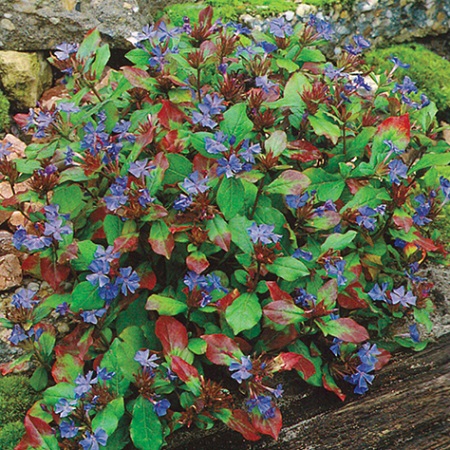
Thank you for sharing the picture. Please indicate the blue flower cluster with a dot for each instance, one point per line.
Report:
(55, 227)
(263, 233)
(108, 289)
(397, 296)
(211, 106)
(241, 370)
(206, 284)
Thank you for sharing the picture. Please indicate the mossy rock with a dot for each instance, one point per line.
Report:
(428, 70)
(11, 434)
(4, 113)
(16, 397)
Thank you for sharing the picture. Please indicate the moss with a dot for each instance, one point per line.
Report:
(430, 71)
(4, 112)
(16, 397)
(11, 434)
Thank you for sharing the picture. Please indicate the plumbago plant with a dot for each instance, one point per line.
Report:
(229, 207)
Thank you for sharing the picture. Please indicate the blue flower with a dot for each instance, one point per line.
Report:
(365, 218)
(143, 358)
(107, 255)
(161, 407)
(91, 316)
(64, 407)
(4, 150)
(92, 441)
(361, 378)
(214, 283)
(265, 84)
(398, 63)
(108, 292)
(304, 299)
(182, 202)
(336, 346)
(206, 299)
(241, 370)
(18, 335)
(64, 50)
(379, 294)
(129, 280)
(248, 151)
(68, 156)
(332, 73)
(297, 201)
(68, 430)
(414, 333)
(264, 405)
(141, 168)
(100, 269)
(194, 184)
(229, 167)
(445, 188)
(398, 169)
(337, 270)
(280, 28)
(323, 28)
(404, 298)
(84, 384)
(215, 146)
(361, 44)
(104, 375)
(299, 253)
(24, 299)
(392, 147)
(407, 87)
(368, 354)
(62, 309)
(263, 233)
(192, 280)
(420, 217)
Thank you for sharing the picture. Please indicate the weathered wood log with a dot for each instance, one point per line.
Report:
(408, 408)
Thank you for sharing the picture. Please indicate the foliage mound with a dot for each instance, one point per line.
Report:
(228, 207)
(428, 69)
(10, 435)
(4, 112)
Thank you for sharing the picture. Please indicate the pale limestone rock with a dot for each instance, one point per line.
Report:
(10, 272)
(24, 77)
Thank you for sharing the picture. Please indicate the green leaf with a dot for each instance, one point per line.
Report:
(165, 306)
(236, 123)
(145, 429)
(430, 160)
(62, 390)
(197, 346)
(327, 186)
(230, 197)
(85, 297)
(244, 313)
(90, 43)
(324, 126)
(102, 56)
(86, 250)
(237, 226)
(39, 379)
(287, 64)
(69, 199)
(113, 228)
(288, 268)
(422, 316)
(337, 241)
(311, 55)
(345, 329)
(46, 344)
(108, 418)
(276, 143)
(138, 56)
(179, 168)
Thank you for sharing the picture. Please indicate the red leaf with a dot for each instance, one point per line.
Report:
(197, 262)
(63, 368)
(290, 360)
(355, 184)
(350, 299)
(170, 112)
(307, 151)
(240, 422)
(382, 359)
(161, 161)
(404, 223)
(77, 343)
(276, 293)
(126, 244)
(221, 349)
(70, 253)
(171, 333)
(184, 370)
(276, 340)
(53, 273)
(424, 243)
(31, 265)
(226, 301)
(35, 428)
(171, 143)
(330, 385)
(400, 124)
(283, 313)
(271, 426)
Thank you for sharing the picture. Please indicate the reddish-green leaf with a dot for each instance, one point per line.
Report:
(290, 182)
(221, 349)
(35, 431)
(284, 312)
(53, 273)
(240, 421)
(276, 293)
(161, 239)
(219, 232)
(170, 113)
(197, 262)
(330, 385)
(290, 360)
(171, 333)
(271, 427)
(345, 329)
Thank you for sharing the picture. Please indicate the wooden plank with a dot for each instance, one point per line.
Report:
(408, 408)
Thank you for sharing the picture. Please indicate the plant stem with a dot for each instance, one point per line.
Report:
(258, 195)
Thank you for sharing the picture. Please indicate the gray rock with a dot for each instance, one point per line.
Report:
(10, 272)
(31, 25)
